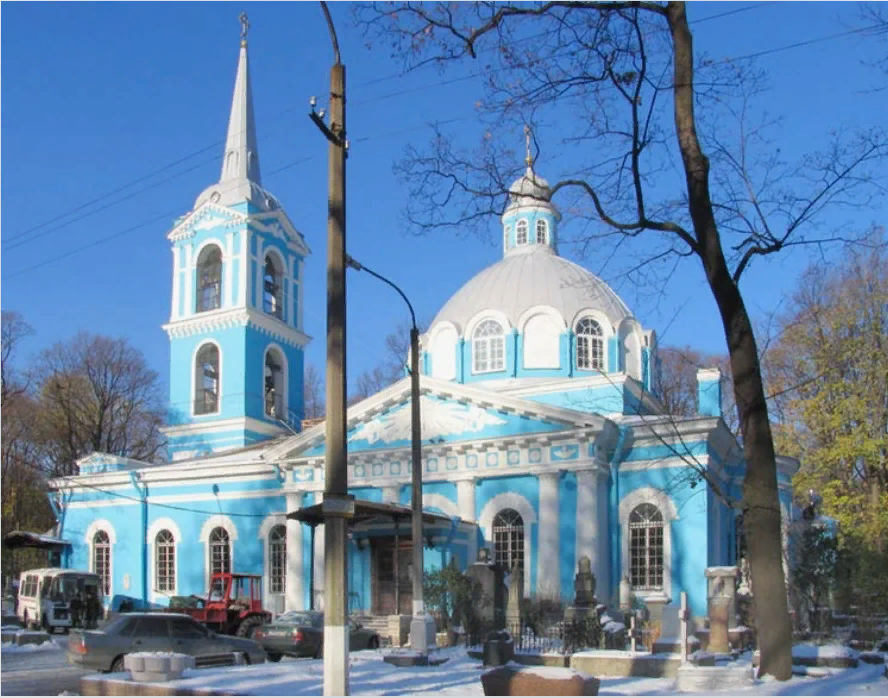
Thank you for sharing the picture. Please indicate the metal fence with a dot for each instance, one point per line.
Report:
(563, 637)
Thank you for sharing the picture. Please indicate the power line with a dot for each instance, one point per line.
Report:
(215, 144)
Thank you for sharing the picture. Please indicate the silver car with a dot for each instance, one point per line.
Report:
(156, 632)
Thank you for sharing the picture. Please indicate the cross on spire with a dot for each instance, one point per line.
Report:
(245, 27)
(528, 158)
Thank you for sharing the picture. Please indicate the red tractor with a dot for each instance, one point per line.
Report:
(233, 605)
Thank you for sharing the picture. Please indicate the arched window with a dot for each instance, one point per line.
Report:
(273, 288)
(507, 231)
(274, 385)
(277, 563)
(206, 379)
(646, 547)
(220, 551)
(488, 347)
(521, 232)
(165, 561)
(542, 227)
(508, 539)
(102, 559)
(590, 345)
(209, 279)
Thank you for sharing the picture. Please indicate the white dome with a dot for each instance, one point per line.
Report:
(537, 277)
(529, 190)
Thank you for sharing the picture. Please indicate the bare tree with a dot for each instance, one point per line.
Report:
(614, 67)
(313, 382)
(96, 393)
(14, 330)
(391, 368)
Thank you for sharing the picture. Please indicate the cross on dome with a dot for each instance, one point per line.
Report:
(245, 27)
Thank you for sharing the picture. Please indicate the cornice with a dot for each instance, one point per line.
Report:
(226, 318)
(184, 229)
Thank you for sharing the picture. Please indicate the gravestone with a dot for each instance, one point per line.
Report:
(584, 591)
(721, 605)
(490, 582)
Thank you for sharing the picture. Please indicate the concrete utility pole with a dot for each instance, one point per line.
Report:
(338, 506)
(422, 626)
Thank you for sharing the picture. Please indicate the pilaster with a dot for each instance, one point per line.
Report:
(465, 499)
(548, 558)
(295, 600)
(588, 536)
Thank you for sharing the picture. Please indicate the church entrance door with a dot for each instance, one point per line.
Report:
(394, 569)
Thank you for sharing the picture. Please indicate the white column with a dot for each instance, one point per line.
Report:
(605, 540)
(390, 494)
(588, 541)
(258, 282)
(177, 283)
(465, 498)
(244, 269)
(319, 568)
(229, 270)
(189, 280)
(548, 558)
(295, 600)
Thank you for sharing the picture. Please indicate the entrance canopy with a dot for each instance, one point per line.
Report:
(367, 513)
(26, 539)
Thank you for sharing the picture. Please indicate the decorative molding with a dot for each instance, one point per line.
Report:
(666, 506)
(439, 501)
(200, 220)
(438, 419)
(651, 495)
(156, 527)
(100, 525)
(226, 318)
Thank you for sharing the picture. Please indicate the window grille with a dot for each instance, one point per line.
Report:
(165, 561)
(209, 279)
(206, 397)
(646, 548)
(272, 295)
(521, 232)
(590, 345)
(489, 348)
(220, 551)
(102, 559)
(277, 563)
(542, 231)
(508, 539)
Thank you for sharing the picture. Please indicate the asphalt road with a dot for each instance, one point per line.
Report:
(43, 673)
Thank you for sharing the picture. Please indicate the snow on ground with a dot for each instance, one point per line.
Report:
(823, 651)
(12, 648)
(461, 675)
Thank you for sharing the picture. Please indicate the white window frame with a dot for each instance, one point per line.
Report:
(542, 230)
(663, 502)
(511, 500)
(281, 274)
(285, 378)
(522, 228)
(487, 341)
(215, 521)
(271, 522)
(197, 349)
(197, 264)
(591, 339)
(151, 540)
(89, 538)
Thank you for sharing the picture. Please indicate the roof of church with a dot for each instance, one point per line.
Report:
(240, 179)
(519, 282)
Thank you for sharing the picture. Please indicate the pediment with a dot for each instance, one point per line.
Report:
(450, 413)
(208, 216)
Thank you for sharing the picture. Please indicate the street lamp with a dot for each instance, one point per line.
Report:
(419, 624)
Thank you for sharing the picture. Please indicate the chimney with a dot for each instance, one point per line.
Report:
(709, 392)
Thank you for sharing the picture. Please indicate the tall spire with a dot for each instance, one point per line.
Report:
(241, 159)
(240, 180)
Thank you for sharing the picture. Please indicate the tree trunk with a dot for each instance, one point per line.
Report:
(761, 506)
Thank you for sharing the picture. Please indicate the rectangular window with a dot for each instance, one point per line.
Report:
(166, 567)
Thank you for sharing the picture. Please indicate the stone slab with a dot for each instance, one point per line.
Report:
(31, 637)
(691, 678)
(407, 659)
(115, 685)
(513, 680)
(615, 663)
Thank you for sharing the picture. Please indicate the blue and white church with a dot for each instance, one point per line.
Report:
(543, 437)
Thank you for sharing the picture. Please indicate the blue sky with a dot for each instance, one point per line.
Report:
(97, 95)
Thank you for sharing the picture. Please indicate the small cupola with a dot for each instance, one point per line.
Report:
(530, 219)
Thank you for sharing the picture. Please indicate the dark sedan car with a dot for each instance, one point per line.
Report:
(301, 634)
(153, 632)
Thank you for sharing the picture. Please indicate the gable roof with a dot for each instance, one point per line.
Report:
(400, 393)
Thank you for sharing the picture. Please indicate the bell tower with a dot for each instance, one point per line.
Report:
(236, 337)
